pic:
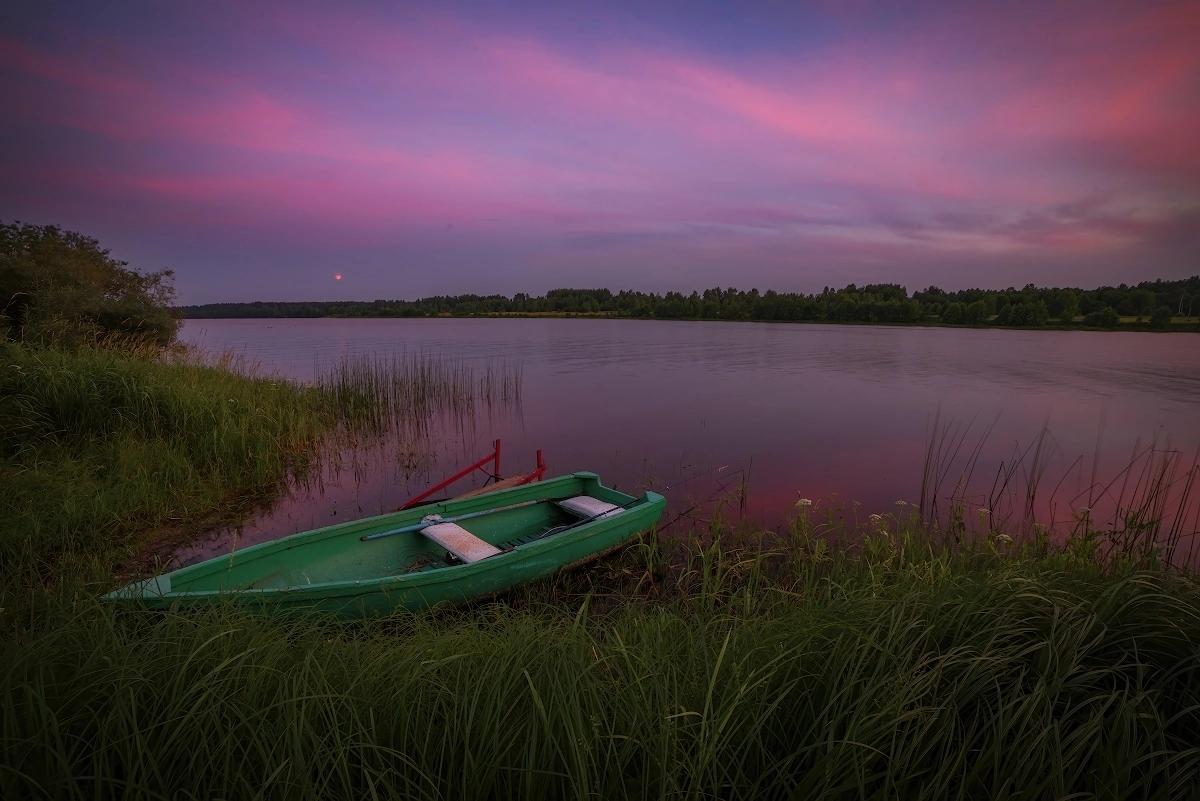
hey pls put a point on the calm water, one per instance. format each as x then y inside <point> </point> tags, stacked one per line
<point>696,408</point>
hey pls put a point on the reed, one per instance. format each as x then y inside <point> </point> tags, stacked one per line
<point>401,392</point>
<point>1147,506</point>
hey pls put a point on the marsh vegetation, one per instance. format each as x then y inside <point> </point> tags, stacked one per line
<point>122,445</point>
<point>930,652</point>
<point>715,666</point>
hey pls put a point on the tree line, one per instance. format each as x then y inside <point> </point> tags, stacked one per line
<point>1150,303</point>
<point>60,285</point>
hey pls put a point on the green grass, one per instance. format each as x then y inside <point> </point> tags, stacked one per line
<point>102,446</point>
<point>107,449</point>
<point>904,671</point>
<point>725,664</point>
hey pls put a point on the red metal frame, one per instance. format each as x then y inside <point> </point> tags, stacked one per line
<point>537,474</point>
<point>494,458</point>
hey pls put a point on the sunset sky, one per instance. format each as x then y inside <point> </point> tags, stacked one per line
<point>445,148</point>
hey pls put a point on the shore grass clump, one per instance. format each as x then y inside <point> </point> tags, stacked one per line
<point>108,447</point>
<point>102,445</point>
<point>916,672</point>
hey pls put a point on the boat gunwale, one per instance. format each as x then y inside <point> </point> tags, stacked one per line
<point>643,506</point>
<point>365,524</point>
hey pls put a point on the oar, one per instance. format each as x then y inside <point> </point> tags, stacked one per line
<point>469,515</point>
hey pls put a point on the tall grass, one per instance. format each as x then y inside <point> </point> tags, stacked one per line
<point>1149,505</point>
<point>722,664</point>
<point>108,448</point>
<point>903,671</point>
<point>101,446</point>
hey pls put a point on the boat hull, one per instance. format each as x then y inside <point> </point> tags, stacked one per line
<point>338,571</point>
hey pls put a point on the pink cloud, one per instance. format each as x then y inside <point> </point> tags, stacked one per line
<point>869,137</point>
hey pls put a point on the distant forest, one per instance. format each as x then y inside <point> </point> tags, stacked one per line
<point>1153,304</point>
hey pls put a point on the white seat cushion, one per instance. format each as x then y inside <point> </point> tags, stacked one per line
<point>460,542</point>
<point>587,507</point>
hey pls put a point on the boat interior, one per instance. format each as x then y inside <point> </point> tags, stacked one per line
<point>385,546</point>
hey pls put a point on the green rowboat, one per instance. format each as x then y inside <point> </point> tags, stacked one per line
<point>441,553</point>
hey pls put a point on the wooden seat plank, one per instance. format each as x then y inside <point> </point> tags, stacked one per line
<point>460,542</point>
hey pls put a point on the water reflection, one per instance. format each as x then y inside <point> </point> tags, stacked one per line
<point>702,410</point>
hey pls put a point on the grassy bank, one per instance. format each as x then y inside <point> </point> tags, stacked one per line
<point>903,671</point>
<point>105,447</point>
<point>725,664</point>
<point>106,450</point>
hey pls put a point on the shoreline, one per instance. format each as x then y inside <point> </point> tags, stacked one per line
<point>1190,327</point>
<point>709,665</point>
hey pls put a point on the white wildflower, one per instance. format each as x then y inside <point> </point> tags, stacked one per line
<point>803,502</point>
<point>1004,538</point>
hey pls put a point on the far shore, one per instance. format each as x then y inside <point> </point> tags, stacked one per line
<point>1178,325</point>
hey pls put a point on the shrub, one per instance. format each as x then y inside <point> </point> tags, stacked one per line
<point>1032,313</point>
<point>1161,317</point>
<point>975,313</point>
<point>61,287</point>
<point>1103,318</point>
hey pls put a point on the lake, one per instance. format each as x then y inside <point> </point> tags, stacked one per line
<point>842,415</point>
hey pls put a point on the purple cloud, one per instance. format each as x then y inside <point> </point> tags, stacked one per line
<point>502,154</point>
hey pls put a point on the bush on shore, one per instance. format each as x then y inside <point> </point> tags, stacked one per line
<point>63,288</point>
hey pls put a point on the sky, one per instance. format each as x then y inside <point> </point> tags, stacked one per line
<point>259,149</point>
